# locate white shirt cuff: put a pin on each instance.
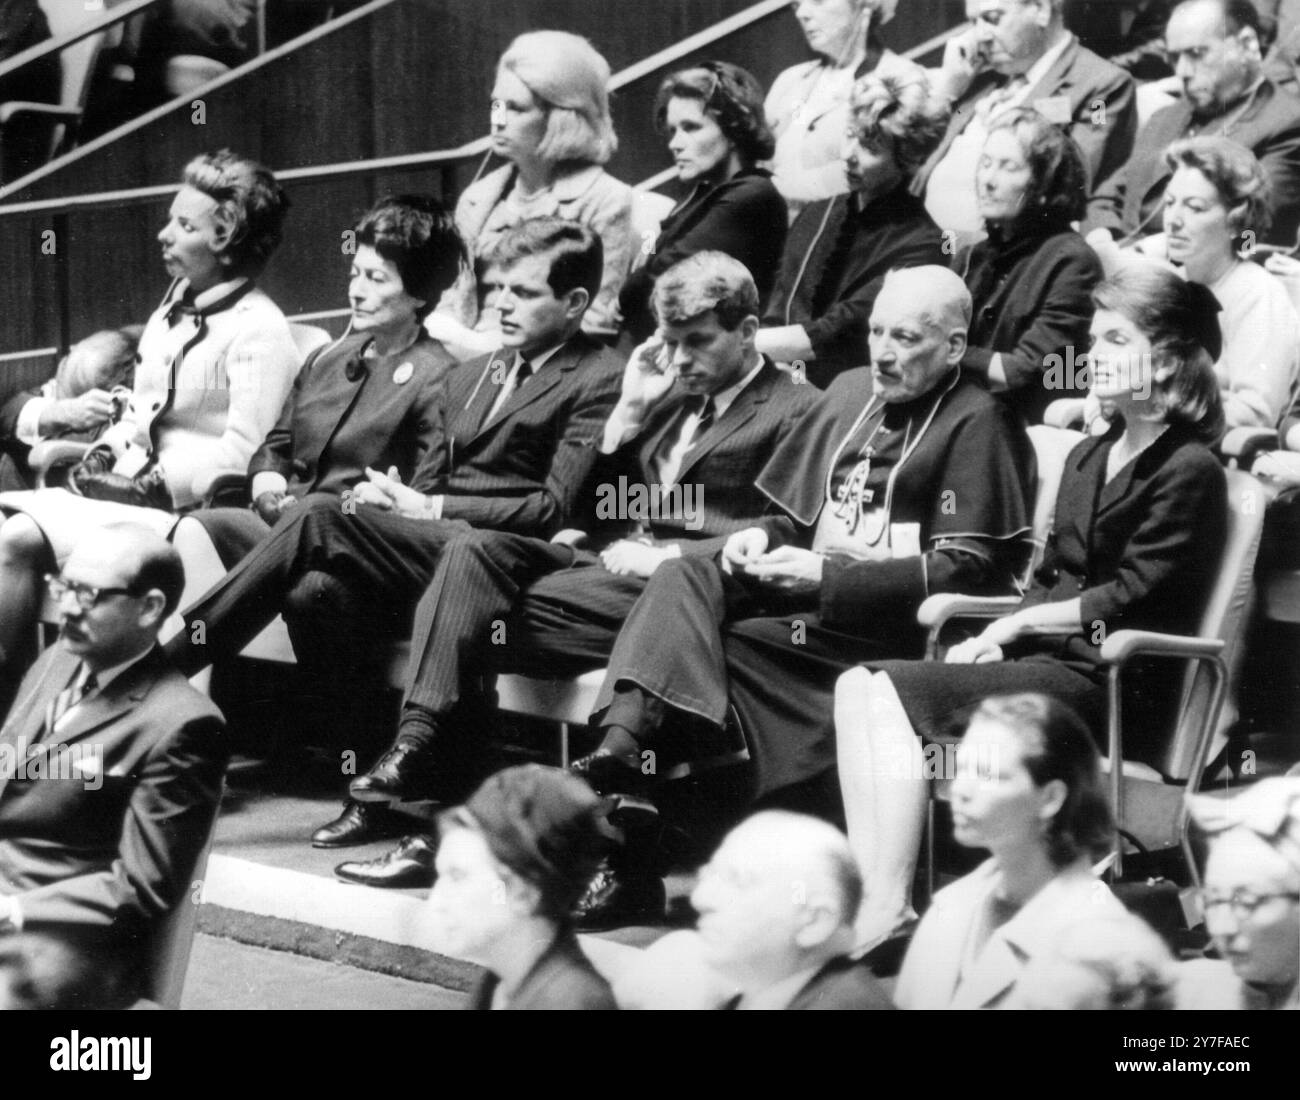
(618, 430)
(433, 504)
(28, 427)
(267, 481)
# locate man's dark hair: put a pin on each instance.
(577, 255)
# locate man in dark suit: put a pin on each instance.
(699, 414)
(906, 480)
(1215, 48)
(1018, 53)
(776, 906)
(522, 429)
(110, 762)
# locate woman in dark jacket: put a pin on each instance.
(1138, 530)
(713, 118)
(372, 398)
(840, 249)
(1032, 279)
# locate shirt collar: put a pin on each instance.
(106, 676)
(1039, 68)
(722, 401)
(778, 995)
(209, 297)
(536, 361)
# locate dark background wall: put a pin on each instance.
(414, 76)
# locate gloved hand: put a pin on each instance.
(146, 490)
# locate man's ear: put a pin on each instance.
(152, 609)
(576, 302)
(1044, 16)
(522, 896)
(956, 346)
(1250, 44)
(749, 330)
(820, 922)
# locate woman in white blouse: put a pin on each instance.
(215, 363)
(808, 106)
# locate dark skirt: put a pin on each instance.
(234, 531)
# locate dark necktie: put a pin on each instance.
(704, 411)
(68, 698)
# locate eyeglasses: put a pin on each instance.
(87, 596)
(1242, 903)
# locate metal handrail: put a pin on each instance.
(410, 161)
(58, 45)
(179, 103)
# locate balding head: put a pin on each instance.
(138, 576)
(779, 896)
(917, 331)
(1216, 49)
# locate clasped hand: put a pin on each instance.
(386, 492)
(787, 568)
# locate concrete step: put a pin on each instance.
(266, 887)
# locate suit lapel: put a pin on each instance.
(652, 442)
(739, 413)
(120, 697)
(536, 387)
(1056, 81)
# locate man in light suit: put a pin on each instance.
(699, 413)
(522, 428)
(1018, 53)
(110, 762)
(1215, 46)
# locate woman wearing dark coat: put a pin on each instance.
(840, 249)
(1031, 280)
(373, 398)
(713, 118)
(1138, 531)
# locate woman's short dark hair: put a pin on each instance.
(417, 235)
(732, 97)
(577, 255)
(251, 206)
(905, 111)
(1235, 173)
(1181, 321)
(1055, 744)
(1058, 178)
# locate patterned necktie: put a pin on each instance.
(68, 698)
(704, 417)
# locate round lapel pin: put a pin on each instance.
(403, 374)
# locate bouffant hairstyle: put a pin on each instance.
(251, 206)
(731, 96)
(1236, 174)
(417, 235)
(904, 113)
(1181, 321)
(571, 80)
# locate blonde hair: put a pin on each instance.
(568, 77)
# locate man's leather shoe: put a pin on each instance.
(404, 772)
(409, 864)
(617, 897)
(360, 824)
(609, 774)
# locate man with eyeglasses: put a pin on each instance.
(1216, 50)
(1018, 53)
(110, 763)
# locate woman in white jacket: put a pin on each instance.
(215, 363)
(1028, 788)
